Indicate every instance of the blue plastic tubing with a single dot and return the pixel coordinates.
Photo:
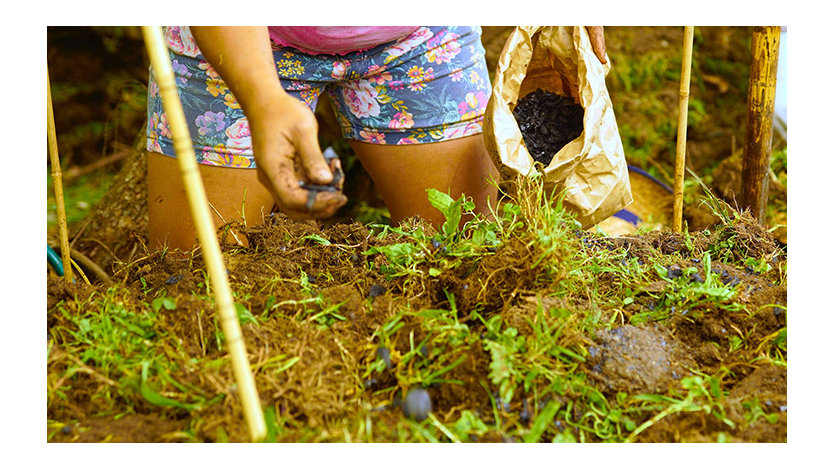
(54, 260)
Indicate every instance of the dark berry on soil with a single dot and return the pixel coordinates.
(547, 122)
(417, 404)
(173, 279)
(376, 290)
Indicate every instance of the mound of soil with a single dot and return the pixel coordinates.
(636, 359)
(327, 385)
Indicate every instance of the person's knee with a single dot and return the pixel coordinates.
(402, 173)
(233, 195)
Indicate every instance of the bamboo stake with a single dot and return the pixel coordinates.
(204, 226)
(761, 99)
(683, 108)
(57, 182)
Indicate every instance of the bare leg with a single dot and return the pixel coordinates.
(402, 173)
(231, 191)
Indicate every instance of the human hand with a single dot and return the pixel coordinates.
(290, 162)
(597, 36)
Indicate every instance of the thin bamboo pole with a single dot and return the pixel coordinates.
(57, 181)
(204, 225)
(761, 99)
(683, 108)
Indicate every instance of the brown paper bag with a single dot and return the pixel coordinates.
(592, 168)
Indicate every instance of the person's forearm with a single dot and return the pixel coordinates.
(284, 130)
(243, 58)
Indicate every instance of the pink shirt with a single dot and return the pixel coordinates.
(336, 39)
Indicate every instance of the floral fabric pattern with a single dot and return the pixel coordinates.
(430, 86)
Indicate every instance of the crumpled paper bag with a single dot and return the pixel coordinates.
(592, 168)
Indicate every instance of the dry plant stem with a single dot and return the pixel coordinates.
(761, 99)
(204, 226)
(80, 271)
(75, 172)
(57, 182)
(683, 107)
(91, 265)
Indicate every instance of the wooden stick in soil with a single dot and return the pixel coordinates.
(204, 225)
(761, 98)
(683, 108)
(57, 183)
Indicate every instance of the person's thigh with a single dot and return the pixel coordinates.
(403, 173)
(414, 117)
(233, 194)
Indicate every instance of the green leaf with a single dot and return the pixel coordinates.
(318, 239)
(564, 437)
(244, 316)
(449, 208)
(439, 200)
(271, 424)
(289, 363)
(468, 424)
(84, 326)
(394, 252)
(543, 420)
(155, 398)
(163, 302)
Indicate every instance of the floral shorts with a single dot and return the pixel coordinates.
(430, 86)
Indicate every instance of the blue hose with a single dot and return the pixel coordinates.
(54, 260)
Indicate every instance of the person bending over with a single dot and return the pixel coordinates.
(409, 100)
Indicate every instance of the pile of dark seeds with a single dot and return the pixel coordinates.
(548, 122)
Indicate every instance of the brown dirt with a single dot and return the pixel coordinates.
(325, 387)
